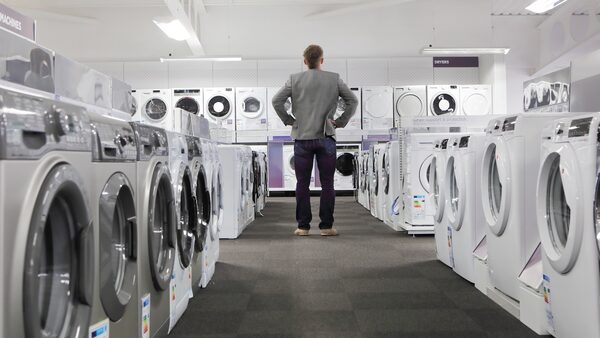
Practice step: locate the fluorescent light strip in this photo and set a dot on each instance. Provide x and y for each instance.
(214, 59)
(543, 6)
(464, 51)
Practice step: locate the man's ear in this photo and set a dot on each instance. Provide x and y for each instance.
(322, 60)
(305, 62)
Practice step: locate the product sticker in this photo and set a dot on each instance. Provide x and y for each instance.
(419, 207)
(548, 302)
(146, 316)
(173, 287)
(450, 250)
(100, 330)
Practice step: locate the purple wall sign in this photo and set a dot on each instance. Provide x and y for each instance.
(17, 23)
(275, 151)
(456, 62)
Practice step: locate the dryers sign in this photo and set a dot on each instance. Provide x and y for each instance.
(17, 23)
(456, 62)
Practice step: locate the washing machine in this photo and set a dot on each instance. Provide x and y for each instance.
(475, 100)
(248, 185)
(234, 189)
(443, 100)
(157, 218)
(186, 229)
(113, 190)
(373, 180)
(437, 196)
(273, 121)
(355, 122)
(394, 207)
(219, 107)
(261, 182)
(568, 208)
(383, 180)
(508, 175)
(419, 151)
(289, 173)
(377, 108)
(155, 108)
(46, 217)
(363, 191)
(409, 101)
(343, 178)
(463, 200)
(251, 109)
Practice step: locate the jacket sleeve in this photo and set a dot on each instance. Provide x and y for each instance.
(351, 102)
(279, 103)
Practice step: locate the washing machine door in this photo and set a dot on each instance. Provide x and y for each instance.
(475, 104)
(443, 104)
(155, 109)
(376, 105)
(386, 173)
(217, 204)
(219, 107)
(204, 210)
(162, 220)
(58, 275)
(118, 245)
(344, 164)
(437, 189)
(560, 209)
(291, 164)
(496, 185)
(456, 189)
(134, 106)
(252, 107)
(187, 223)
(410, 104)
(188, 104)
(424, 171)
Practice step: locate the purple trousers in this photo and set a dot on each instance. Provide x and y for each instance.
(305, 151)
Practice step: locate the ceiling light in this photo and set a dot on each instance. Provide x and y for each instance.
(464, 51)
(173, 29)
(542, 6)
(211, 58)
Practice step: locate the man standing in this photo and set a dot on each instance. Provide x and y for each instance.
(314, 95)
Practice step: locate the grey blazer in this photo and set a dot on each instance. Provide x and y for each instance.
(314, 96)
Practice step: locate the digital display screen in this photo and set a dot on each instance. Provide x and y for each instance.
(580, 127)
(445, 144)
(464, 142)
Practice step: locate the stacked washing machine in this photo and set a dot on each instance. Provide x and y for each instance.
(345, 167)
(261, 179)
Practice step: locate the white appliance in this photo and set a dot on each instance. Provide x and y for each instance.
(373, 180)
(219, 107)
(275, 125)
(508, 175)
(419, 151)
(47, 250)
(186, 103)
(463, 201)
(248, 185)
(343, 178)
(409, 101)
(234, 191)
(393, 216)
(378, 108)
(251, 114)
(135, 105)
(378, 181)
(475, 100)
(155, 108)
(261, 183)
(355, 122)
(568, 213)
(443, 100)
(363, 178)
(186, 212)
(437, 197)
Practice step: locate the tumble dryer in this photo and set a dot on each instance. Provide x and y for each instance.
(355, 122)
(155, 108)
(219, 107)
(377, 108)
(419, 153)
(344, 166)
(273, 121)
(47, 250)
(190, 100)
(568, 212)
(186, 212)
(394, 206)
(114, 178)
(251, 109)
(443, 100)
(234, 189)
(409, 101)
(475, 100)
(437, 196)
(157, 218)
(510, 163)
(463, 201)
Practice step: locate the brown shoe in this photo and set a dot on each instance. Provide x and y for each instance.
(301, 232)
(329, 232)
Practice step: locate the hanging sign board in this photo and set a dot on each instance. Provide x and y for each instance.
(456, 62)
(17, 23)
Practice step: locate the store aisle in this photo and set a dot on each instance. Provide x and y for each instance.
(367, 282)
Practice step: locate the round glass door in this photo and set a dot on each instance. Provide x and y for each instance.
(424, 171)
(496, 186)
(118, 243)
(376, 105)
(59, 261)
(409, 105)
(219, 106)
(189, 105)
(188, 220)
(344, 164)
(156, 109)
(292, 163)
(558, 212)
(476, 104)
(251, 107)
(443, 104)
(217, 204)
(435, 184)
(454, 193)
(134, 106)
(204, 210)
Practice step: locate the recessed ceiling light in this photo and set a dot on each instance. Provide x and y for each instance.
(174, 29)
(465, 51)
(542, 6)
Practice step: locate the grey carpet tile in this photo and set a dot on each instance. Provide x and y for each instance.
(368, 282)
